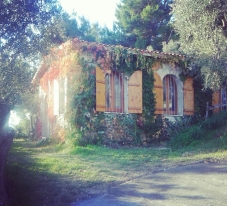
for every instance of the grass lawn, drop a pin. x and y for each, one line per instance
(59, 175)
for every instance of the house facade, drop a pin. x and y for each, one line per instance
(110, 94)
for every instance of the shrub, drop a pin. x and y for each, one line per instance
(183, 133)
(189, 136)
(223, 140)
(216, 121)
(178, 124)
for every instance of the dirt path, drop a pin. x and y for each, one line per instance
(201, 183)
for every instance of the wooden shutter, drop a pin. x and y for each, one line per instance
(216, 100)
(188, 97)
(100, 90)
(158, 91)
(135, 93)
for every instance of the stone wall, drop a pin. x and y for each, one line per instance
(120, 129)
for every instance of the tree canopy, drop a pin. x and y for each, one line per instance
(22, 37)
(202, 27)
(145, 22)
(21, 23)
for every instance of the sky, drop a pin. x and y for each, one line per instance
(101, 11)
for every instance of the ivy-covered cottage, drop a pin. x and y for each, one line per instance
(110, 94)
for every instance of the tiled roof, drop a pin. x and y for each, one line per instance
(142, 51)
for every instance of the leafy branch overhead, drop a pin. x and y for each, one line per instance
(202, 29)
(22, 39)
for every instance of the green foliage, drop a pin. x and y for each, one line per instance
(15, 80)
(126, 61)
(22, 39)
(183, 133)
(83, 105)
(218, 143)
(147, 123)
(171, 47)
(207, 44)
(178, 124)
(201, 96)
(186, 137)
(22, 25)
(144, 22)
(113, 37)
(216, 121)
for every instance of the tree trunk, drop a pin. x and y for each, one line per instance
(5, 143)
(6, 139)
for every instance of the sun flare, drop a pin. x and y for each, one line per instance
(14, 120)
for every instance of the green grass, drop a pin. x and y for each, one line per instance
(59, 175)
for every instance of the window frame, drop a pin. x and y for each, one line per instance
(111, 93)
(170, 90)
(132, 96)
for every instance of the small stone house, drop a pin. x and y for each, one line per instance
(110, 93)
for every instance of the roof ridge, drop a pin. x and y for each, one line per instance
(76, 40)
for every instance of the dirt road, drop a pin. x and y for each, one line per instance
(200, 184)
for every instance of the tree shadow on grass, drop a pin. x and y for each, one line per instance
(30, 188)
(28, 184)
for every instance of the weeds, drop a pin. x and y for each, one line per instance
(191, 136)
(216, 121)
(183, 133)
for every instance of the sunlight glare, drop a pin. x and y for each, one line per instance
(14, 120)
(96, 11)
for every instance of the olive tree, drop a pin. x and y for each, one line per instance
(202, 29)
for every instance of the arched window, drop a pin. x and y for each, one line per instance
(114, 92)
(169, 95)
